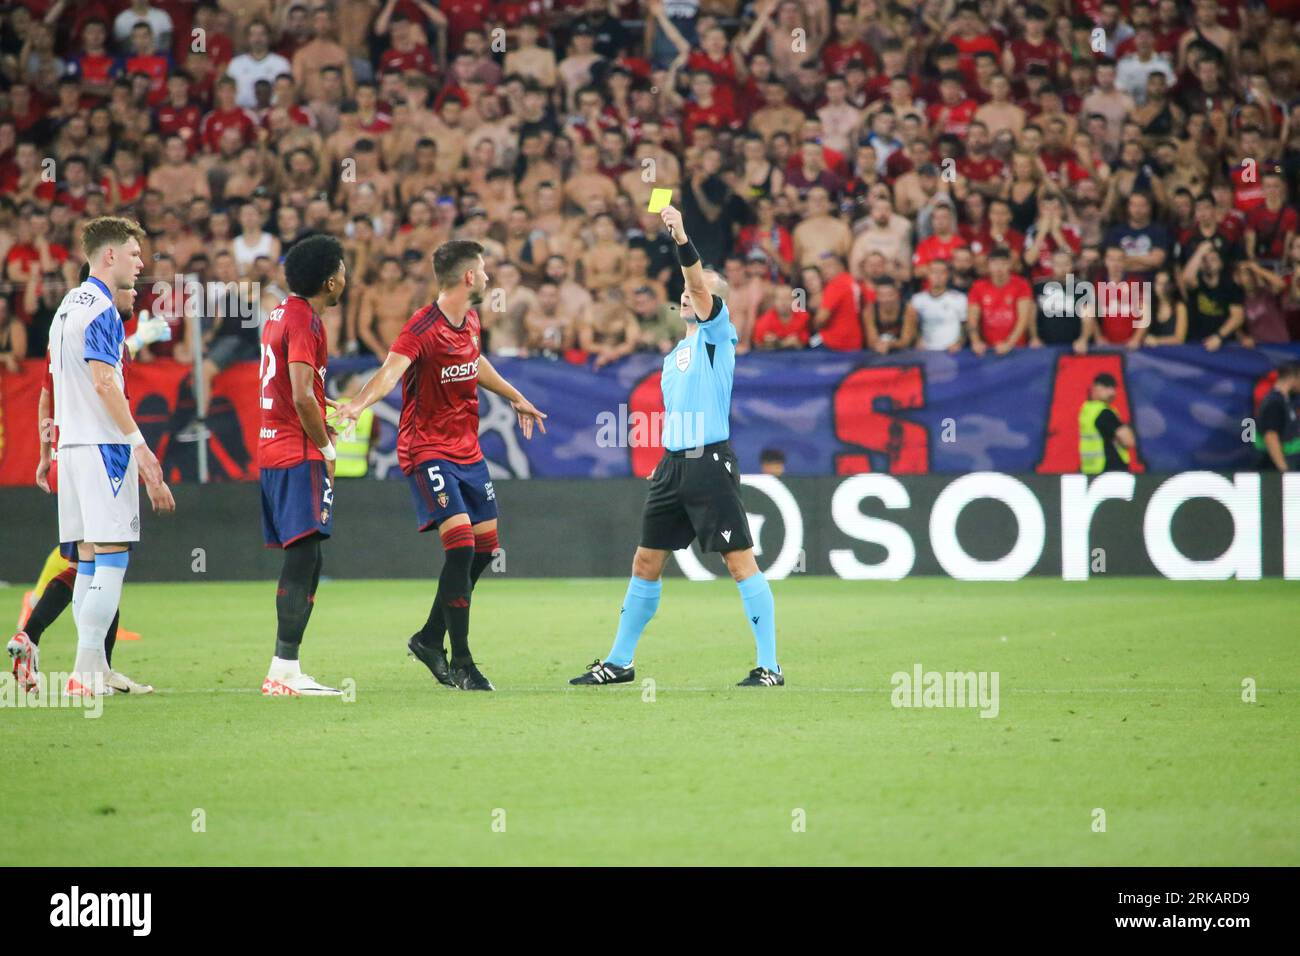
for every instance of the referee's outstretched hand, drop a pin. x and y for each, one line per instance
(672, 217)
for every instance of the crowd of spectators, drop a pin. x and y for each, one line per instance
(866, 175)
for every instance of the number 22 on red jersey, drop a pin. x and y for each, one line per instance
(292, 332)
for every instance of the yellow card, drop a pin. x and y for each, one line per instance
(659, 198)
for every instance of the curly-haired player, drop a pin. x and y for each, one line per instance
(295, 453)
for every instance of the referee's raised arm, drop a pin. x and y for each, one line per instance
(692, 269)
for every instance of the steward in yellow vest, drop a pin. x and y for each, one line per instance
(354, 453)
(1104, 440)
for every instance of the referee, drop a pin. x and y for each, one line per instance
(695, 489)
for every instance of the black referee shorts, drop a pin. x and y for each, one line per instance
(696, 497)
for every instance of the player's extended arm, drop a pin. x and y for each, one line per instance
(119, 409)
(46, 429)
(380, 384)
(701, 297)
(528, 414)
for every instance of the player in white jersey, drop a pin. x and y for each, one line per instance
(55, 588)
(102, 454)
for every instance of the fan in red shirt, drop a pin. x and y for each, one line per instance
(145, 59)
(124, 184)
(76, 187)
(1247, 189)
(463, 16)
(995, 232)
(26, 107)
(1063, 167)
(999, 307)
(839, 318)
(940, 243)
(954, 111)
(978, 164)
(1270, 225)
(33, 256)
(782, 327)
(707, 106)
(767, 236)
(845, 46)
(1049, 233)
(1119, 302)
(970, 37)
(437, 357)
(94, 66)
(225, 116)
(179, 115)
(407, 51)
(1035, 48)
(295, 453)
(715, 59)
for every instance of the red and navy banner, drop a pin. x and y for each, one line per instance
(829, 413)
(915, 413)
(162, 399)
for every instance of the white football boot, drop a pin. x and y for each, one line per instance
(285, 679)
(122, 684)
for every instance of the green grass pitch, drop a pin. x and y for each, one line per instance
(1119, 695)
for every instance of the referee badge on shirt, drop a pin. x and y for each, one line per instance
(683, 358)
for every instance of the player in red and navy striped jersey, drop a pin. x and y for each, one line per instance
(437, 357)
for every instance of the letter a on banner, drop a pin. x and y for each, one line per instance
(1070, 385)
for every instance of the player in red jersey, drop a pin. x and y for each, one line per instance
(438, 360)
(295, 453)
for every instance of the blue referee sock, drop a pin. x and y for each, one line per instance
(756, 596)
(639, 605)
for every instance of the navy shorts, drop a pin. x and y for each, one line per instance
(442, 488)
(296, 502)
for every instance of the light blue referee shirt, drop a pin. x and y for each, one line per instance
(696, 383)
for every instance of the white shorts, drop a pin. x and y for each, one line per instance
(99, 494)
